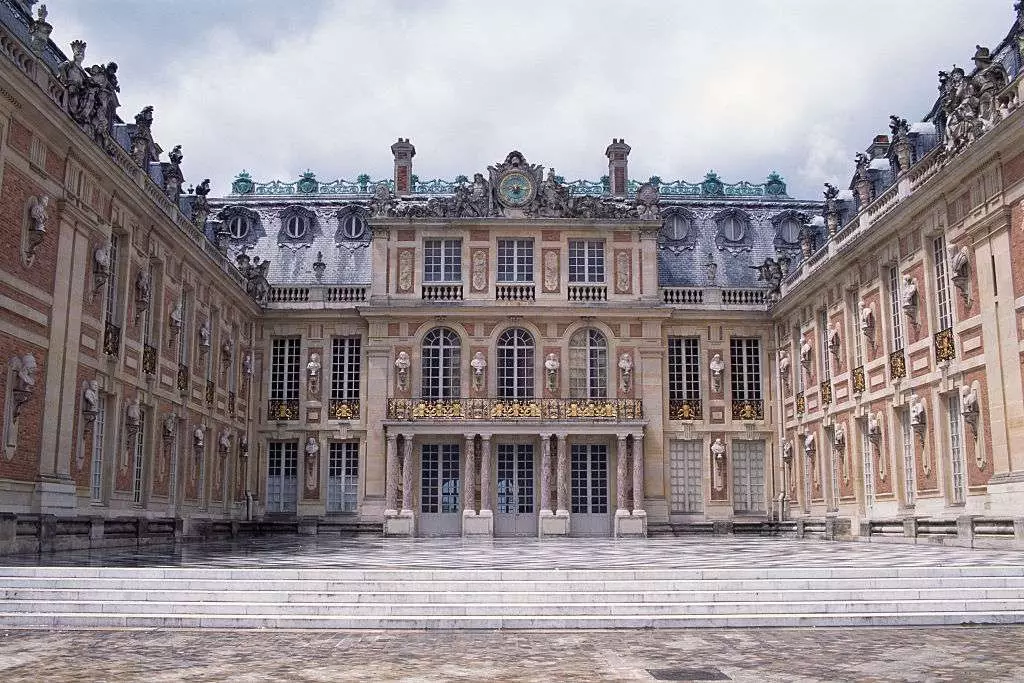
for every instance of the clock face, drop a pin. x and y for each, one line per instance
(515, 189)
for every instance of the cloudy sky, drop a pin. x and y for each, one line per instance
(739, 86)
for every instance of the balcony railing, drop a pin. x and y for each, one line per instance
(231, 402)
(945, 348)
(826, 393)
(211, 392)
(684, 409)
(744, 297)
(522, 291)
(801, 403)
(587, 293)
(515, 410)
(288, 295)
(183, 375)
(112, 340)
(897, 365)
(283, 409)
(750, 409)
(860, 383)
(336, 294)
(343, 409)
(149, 359)
(355, 294)
(442, 292)
(683, 295)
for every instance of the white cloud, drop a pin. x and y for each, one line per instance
(743, 87)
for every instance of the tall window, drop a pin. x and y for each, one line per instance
(956, 451)
(823, 349)
(748, 476)
(282, 476)
(441, 359)
(98, 429)
(515, 364)
(858, 337)
(588, 365)
(140, 451)
(869, 468)
(442, 260)
(345, 365)
(515, 260)
(112, 316)
(896, 308)
(944, 308)
(683, 369)
(172, 486)
(586, 261)
(284, 369)
(834, 470)
(909, 467)
(745, 369)
(439, 478)
(183, 336)
(343, 476)
(686, 469)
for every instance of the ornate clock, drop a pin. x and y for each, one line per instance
(516, 189)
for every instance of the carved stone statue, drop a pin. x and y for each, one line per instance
(867, 319)
(177, 318)
(805, 351)
(960, 271)
(969, 407)
(201, 205)
(809, 444)
(551, 366)
(831, 211)
(718, 450)
(717, 367)
(243, 446)
(839, 436)
(312, 450)
(199, 440)
(862, 184)
(909, 295)
(383, 202)
(204, 335)
(552, 198)
(313, 375)
(874, 427)
(170, 426)
(173, 177)
(479, 364)
(402, 363)
(143, 293)
(648, 199)
(247, 364)
(834, 340)
(625, 372)
(772, 272)
(133, 416)
(25, 369)
(36, 225)
(227, 352)
(72, 76)
(900, 138)
(787, 450)
(224, 441)
(100, 266)
(784, 364)
(917, 411)
(90, 400)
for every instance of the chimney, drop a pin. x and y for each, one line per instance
(403, 152)
(618, 166)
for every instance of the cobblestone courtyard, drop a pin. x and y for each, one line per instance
(864, 654)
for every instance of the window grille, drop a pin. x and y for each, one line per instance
(284, 369)
(441, 358)
(98, 436)
(346, 362)
(909, 466)
(140, 452)
(343, 476)
(745, 368)
(588, 365)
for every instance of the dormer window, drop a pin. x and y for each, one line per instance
(676, 227)
(296, 226)
(239, 227)
(353, 226)
(789, 230)
(732, 227)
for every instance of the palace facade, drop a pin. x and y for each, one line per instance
(509, 352)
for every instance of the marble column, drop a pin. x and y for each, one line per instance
(621, 461)
(638, 473)
(469, 474)
(391, 485)
(545, 472)
(485, 472)
(407, 473)
(563, 476)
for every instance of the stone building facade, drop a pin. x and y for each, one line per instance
(509, 352)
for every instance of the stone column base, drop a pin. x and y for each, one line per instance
(553, 523)
(477, 525)
(630, 525)
(400, 524)
(55, 497)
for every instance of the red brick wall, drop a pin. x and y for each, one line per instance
(24, 464)
(14, 195)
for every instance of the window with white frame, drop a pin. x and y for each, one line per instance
(800, 373)
(441, 358)
(346, 361)
(99, 427)
(343, 476)
(686, 458)
(515, 364)
(748, 476)
(823, 348)
(442, 260)
(683, 369)
(944, 309)
(515, 260)
(140, 453)
(112, 314)
(868, 463)
(958, 468)
(909, 466)
(586, 261)
(896, 308)
(745, 368)
(588, 364)
(284, 369)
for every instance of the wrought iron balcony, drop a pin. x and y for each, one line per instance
(897, 365)
(283, 409)
(750, 409)
(860, 383)
(149, 359)
(826, 393)
(112, 340)
(343, 409)
(684, 409)
(945, 348)
(515, 410)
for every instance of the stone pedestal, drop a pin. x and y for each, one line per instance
(553, 523)
(400, 524)
(477, 525)
(630, 525)
(55, 497)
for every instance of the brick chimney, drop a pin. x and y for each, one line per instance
(403, 152)
(618, 166)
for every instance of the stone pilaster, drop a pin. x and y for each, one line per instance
(391, 485)
(563, 476)
(469, 474)
(485, 473)
(545, 473)
(621, 460)
(638, 473)
(407, 472)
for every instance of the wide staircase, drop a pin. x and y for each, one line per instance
(495, 598)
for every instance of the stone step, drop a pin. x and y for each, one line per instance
(223, 621)
(507, 596)
(502, 609)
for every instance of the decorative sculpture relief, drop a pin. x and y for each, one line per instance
(787, 451)
(972, 106)
(25, 369)
(143, 293)
(831, 211)
(204, 336)
(255, 273)
(623, 272)
(805, 352)
(918, 416)
(35, 231)
(909, 297)
(867, 321)
(718, 457)
(784, 364)
(199, 441)
(170, 428)
(969, 406)
(625, 372)
(247, 365)
(402, 364)
(771, 272)
(479, 266)
(227, 353)
(91, 93)
(874, 428)
(551, 366)
(834, 340)
(90, 401)
(479, 364)
(312, 451)
(862, 184)
(960, 270)
(177, 319)
(39, 30)
(224, 441)
(839, 436)
(243, 446)
(550, 270)
(405, 258)
(313, 377)
(717, 366)
(100, 267)
(809, 444)
(132, 425)
(900, 137)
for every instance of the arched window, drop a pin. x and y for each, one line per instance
(515, 364)
(588, 365)
(238, 226)
(296, 225)
(441, 356)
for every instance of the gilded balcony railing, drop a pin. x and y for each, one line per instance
(343, 409)
(897, 365)
(112, 340)
(749, 409)
(283, 409)
(801, 404)
(826, 393)
(860, 383)
(684, 409)
(945, 348)
(515, 410)
(183, 375)
(149, 359)
(211, 391)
